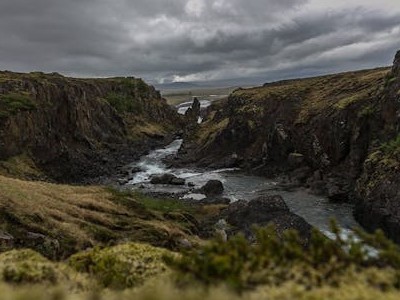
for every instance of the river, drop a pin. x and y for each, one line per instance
(316, 210)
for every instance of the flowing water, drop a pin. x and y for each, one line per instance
(316, 210)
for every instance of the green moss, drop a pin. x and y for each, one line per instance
(347, 101)
(367, 111)
(392, 147)
(29, 267)
(390, 79)
(122, 266)
(123, 103)
(12, 103)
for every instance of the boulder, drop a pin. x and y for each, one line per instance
(167, 179)
(212, 188)
(338, 190)
(295, 160)
(262, 211)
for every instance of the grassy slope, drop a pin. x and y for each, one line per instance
(84, 216)
(309, 97)
(78, 217)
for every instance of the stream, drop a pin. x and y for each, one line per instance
(316, 210)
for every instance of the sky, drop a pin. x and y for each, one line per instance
(198, 40)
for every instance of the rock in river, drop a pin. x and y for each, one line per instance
(167, 179)
(262, 211)
(212, 188)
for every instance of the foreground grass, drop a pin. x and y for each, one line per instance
(100, 243)
(356, 289)
(59, 220)
(275, 269)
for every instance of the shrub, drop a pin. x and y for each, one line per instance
(123, 103)
(122, 266)
(13, 103)
(392, 146)
(273, 261)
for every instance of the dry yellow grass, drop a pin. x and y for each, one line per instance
(20, 166)
(318, 93)
(79, 217)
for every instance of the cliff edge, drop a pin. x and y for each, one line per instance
(74, 130)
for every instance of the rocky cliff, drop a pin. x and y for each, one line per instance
(315, 129)
(77, 129)
(336, 134)
(378, 188)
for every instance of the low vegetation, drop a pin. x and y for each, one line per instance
(273, 268)
(123, 266)
(313, 95)
(127, 234)
(275, 261)
(12, 103)
(59, 220)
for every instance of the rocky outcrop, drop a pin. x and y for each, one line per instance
(295, 127)
(212, 188)
(262, 211)
(378, 189)
(167, 179)
(77, 129)
(193, 112)
(337, 135)
(396, 64)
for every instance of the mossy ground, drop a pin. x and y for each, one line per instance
(138, 271)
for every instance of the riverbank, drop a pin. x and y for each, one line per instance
(336, 135)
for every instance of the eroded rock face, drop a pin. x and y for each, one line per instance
(193, 112)
(323, 124)
(337, 135)
(80, 128)
(378, 188)
(396, 64)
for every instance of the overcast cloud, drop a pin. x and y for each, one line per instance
(198, 40)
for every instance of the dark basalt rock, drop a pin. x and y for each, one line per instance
(193, 112)
(396, 64)
(167, 179)
(212, 188)
(262, 211)
(73, 130)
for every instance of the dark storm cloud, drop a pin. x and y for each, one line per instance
(197, 39)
